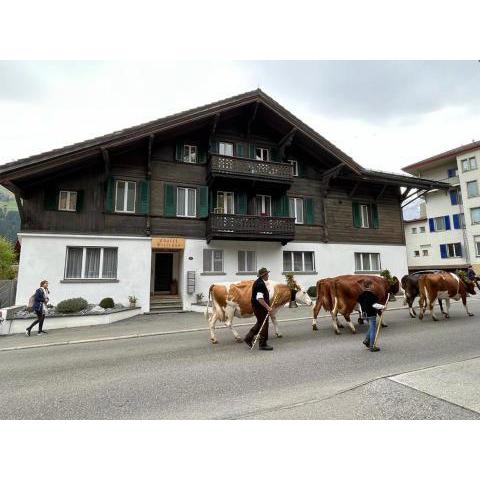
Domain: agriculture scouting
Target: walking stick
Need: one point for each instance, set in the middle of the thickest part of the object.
(257, 336)
(379, 326)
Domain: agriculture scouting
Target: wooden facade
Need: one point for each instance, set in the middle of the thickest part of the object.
(152, 156)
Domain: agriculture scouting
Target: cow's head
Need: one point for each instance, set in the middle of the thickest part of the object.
(301, 294)
(394, 286)
(469, 286)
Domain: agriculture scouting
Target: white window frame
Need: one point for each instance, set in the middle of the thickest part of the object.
(416, 253)
(243, 268)
(414, 230)
(425, 252)
(370, 260)
(69, 201)
(454, 249)
(264, 204)
(365, 215)
(190, 153)
(471, 216)
(468, 192)
(422, 230)
(212, 262)
(294, 164)
(84, 261)
(264, 152)
(223, 208)
(471, 164)
(476, 240)
(188, 191)
(221, 146)
(125, 197)
(442, 221)
(294, 214)
(292, 252)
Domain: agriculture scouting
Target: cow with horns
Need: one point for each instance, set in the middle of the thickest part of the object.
(411, 290)
(229, 300)
(443, 285)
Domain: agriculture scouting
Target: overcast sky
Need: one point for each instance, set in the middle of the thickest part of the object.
(384, 114)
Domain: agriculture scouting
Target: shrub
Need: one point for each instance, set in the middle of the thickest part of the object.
(71, 305)
(107, 303)
(7, 259)
(312, 291)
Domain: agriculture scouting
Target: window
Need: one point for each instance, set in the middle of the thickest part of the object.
(212, 261)
(186, 202)
(294, 165)
(67, 201)
(296, 209)
(190, 153)
(425, 253)
(414, 230)
(91, 262)
(439, 223)
(367, 262)
(476, 239)
(469, 164)
(247, 261)
(225, 149)
(125, 196)
(454, 250)
(225, 203)
(452, 172)
(416, 253)
(298, 261)
(364, 216)
(475, 214)
(472, 189)
(422, 229)
(263, 205)
(262, 154)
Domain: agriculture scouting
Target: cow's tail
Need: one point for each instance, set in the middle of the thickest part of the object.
(207, 316)
(318, 303)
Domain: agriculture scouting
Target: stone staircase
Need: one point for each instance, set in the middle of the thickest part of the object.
(165, 304)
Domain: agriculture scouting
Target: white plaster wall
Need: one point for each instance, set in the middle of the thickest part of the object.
(414, 241)
(330, 260)
(43, 257)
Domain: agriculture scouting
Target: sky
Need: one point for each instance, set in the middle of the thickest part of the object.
(384, 114)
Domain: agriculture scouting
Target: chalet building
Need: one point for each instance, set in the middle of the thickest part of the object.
(447, 234)
(206, 195)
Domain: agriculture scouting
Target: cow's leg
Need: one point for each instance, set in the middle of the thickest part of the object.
(211, 325)
(410, 308)
(447, 307)
(350, 323)
(431, 308)
(464, 301)
(441, 305)
(421, 306)
(314, 324)
(229, 315)
(273, 316)
(316, 310)
(335, 323)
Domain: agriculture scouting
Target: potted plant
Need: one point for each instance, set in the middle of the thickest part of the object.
(199, 297)
(133, 301)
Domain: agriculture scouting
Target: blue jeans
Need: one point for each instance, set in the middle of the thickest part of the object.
(372, 330)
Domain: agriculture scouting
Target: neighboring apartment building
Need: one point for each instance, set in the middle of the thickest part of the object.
(451, 219)
(206, 195)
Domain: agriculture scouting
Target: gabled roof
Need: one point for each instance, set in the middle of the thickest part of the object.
(143, 130)
(430, 161)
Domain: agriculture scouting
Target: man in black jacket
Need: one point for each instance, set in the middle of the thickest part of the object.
(370, 308)
(261, 308)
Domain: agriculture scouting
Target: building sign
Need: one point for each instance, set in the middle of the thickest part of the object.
(168, 243)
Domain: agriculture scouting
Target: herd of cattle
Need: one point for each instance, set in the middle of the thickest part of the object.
(338, 295)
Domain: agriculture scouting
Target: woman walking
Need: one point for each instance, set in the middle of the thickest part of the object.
(40, 303)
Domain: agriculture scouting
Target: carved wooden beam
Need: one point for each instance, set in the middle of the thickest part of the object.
(288, 137)
(405, 194)
(354, 189)
(148, 220)
(414, 196)
(19, 194)
(106, 163)
(216, 118)
(252, 119)
(149, 155)
(382, 191)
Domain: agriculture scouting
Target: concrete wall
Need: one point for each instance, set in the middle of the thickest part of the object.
(43, 257)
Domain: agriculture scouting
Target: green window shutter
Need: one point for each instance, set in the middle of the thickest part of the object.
(202, 206)
(280, 206)
(273, 154)
(308, 208)
(80, 195)
(285, 206)
(170, 200)
(251, 151)
(241, 203)
(240, 150)
(143, 197)
(201, 155)
(51, 198)
(357, 218)
(374, 210)
(276, 207)
(110, 194)
(179, 152)
(300, 168)
(214, 147)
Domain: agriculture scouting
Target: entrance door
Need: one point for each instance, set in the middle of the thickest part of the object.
(163, 271)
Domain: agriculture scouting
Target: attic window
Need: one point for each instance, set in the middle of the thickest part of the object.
(67, 201)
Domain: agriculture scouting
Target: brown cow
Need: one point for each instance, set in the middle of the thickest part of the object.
(443, 285)
(347, 289)
(325, 299)
(231, 300)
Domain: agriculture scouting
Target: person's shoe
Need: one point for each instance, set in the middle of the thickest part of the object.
(374, 349)
(27, 332)
(43, 332)
(265, 347)
(248, 342)
(366, 343)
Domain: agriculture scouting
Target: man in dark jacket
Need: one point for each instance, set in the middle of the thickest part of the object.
(261, 308)
(370, 308)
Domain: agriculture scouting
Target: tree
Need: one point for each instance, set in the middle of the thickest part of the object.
(7, 259)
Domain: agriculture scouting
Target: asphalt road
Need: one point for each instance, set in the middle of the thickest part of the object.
(309, 375)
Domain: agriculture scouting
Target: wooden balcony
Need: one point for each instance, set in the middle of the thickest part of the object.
(244, 168)
(250, 227)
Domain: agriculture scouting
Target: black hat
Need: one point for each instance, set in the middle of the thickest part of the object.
(262, 272)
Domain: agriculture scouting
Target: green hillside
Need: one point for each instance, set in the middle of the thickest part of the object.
(7, 200)
(9, 216)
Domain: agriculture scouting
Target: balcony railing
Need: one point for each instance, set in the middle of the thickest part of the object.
(221, 165)
(250, 227)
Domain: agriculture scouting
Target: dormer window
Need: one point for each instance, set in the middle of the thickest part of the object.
(262, 154)
(67, 201)
(190, 153)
